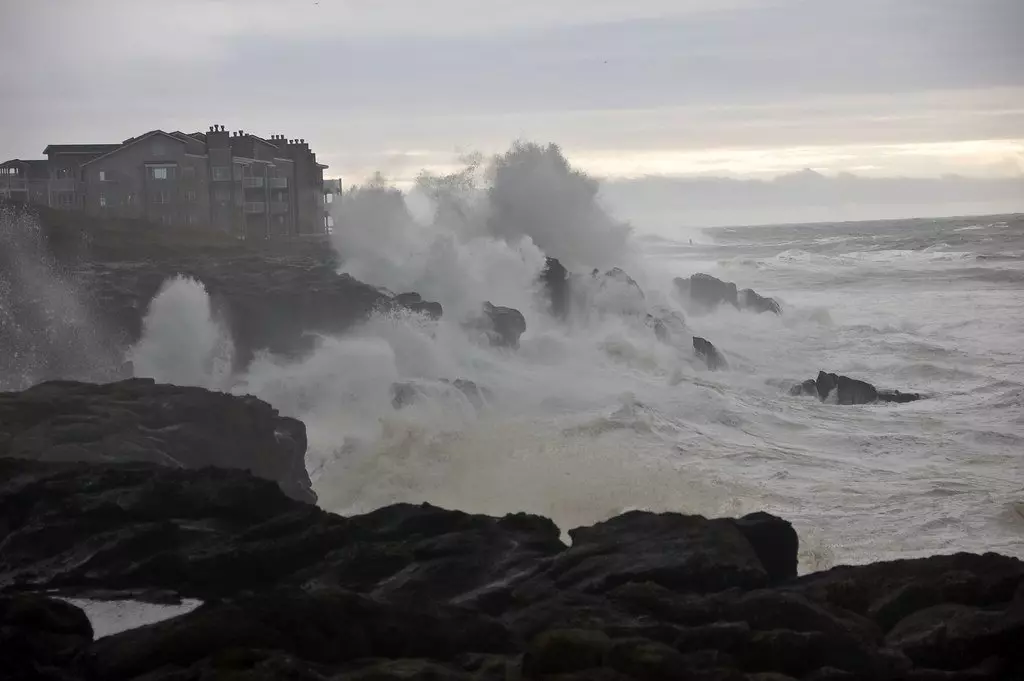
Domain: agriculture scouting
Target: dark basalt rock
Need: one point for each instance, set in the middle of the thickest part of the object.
(40, 637)
(140, 420)
(849, 390)
(555, 279)
(419, 592)
(709, 292)
(415, 303)
(709, 353)
(501, 325)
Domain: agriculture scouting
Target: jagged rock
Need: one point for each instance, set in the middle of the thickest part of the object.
(40, 638)
(849, 390)
(666, 323)
(748, 299)
(200, 533)
(419, 592)
(555, 279)
(415, 303)
(501, 325)
(709, 353)
(140, 420)
(709, 292)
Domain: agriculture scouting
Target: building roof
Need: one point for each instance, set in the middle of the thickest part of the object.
(79, 148)
(37, 168)
(134, 141)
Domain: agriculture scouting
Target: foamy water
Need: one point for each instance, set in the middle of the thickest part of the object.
(595, 417)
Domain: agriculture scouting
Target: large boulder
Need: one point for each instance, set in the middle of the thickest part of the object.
(709, 354)
(846, 390)
(707, 292)
(140, 420)
(41, 638)
(502, 326)
(136, 526)
(415, 303)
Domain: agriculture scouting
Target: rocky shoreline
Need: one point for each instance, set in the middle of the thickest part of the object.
(291, 591)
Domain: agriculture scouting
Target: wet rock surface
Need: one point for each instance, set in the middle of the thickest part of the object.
(419, 592)
(140, 420)
(706, 351)
(846, 390)
(707, 292)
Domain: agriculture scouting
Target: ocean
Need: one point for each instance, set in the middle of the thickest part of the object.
(588, 420)
(595, 416)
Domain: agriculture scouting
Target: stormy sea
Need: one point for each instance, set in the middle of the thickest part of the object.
(594, 402)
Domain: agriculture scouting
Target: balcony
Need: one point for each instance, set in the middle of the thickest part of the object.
(14, 184)
(254, 207)
(253, 182)
(279, 183)
(279, 207)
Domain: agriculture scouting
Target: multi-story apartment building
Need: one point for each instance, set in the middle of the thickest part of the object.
(233, 181)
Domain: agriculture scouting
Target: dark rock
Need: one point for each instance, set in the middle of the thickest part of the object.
(139, 420)
(40, 638)
(203, 533)
(709, 353)
(955, 637)
(667, 324)
(560, 651)
(415, 303)
(505, 325)
(324, 627)
(419, 592)
(774, 541)
(709, 292)
(687, 553)
(555, 279)
(849, 390)
(749, 299)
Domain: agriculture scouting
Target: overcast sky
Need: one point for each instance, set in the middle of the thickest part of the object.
(629, 88)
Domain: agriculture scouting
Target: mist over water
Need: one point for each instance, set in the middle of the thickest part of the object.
(593, 416)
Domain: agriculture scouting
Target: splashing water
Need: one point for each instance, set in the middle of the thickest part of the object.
(181, 341)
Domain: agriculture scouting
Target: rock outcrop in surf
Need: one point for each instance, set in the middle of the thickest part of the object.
(846, 390)
(709, 354)
(418, 592)
(707, 292)
(140, 420)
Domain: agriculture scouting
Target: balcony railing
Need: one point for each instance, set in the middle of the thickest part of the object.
(15, 184)
(255, 207)
(278, 183)
(252, 182)
(278, 207)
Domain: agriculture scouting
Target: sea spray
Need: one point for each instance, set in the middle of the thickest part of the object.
(47, 330)
(182, 342)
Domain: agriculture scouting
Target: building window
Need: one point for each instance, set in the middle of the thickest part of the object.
(190, 196)
(129, 199)
(162, 173)
(221, 173)
(166, 219)
(191, 219)
(162, 196)
(103, 176)
(103, 200)
(65, 198)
